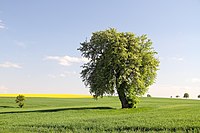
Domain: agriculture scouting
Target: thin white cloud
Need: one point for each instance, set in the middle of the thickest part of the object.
(10, 65)
(177, 58)
(195, 80)
(66, 74)
(3, 89)
(62, 75)
(169, 90)
(2, 26)
(20, 44)
(51, 76)
(66, 60)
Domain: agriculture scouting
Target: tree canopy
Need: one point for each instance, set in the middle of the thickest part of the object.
(186, 95)
(121, 62)
(20, 100)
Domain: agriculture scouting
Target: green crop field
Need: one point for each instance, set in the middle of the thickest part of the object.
(104, 115)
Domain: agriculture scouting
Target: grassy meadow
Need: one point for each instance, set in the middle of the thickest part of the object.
(104, 115)
(48, 95)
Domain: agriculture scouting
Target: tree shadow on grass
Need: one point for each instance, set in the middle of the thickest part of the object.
(7, 107)
(58, 109)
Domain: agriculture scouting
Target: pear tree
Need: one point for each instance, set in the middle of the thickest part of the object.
(119, 62)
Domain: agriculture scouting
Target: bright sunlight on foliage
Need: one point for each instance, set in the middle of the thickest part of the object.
(119, 61)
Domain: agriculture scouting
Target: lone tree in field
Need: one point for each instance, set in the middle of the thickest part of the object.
(198, 96)
(119, 61)
(20, 100)
(186, 95)
(148, 95)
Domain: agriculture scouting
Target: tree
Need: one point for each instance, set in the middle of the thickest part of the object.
(20, 100)
(198, 96)
(186, 95)
(177, 96)
(148, 95)
(119, 61)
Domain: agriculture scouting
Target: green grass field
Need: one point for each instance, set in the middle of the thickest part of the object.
(104, 115)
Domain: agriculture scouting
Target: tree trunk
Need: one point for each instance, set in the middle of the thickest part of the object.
(123, 100)
(120, 90)
(122, 96)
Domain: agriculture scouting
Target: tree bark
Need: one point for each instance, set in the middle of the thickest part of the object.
(122, 96)
(121, 93)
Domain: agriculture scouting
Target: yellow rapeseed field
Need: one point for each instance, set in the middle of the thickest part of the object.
(48, 95)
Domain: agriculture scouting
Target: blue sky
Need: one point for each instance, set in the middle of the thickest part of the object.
(39, 41)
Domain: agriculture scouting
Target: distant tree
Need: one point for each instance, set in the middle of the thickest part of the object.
(20, 100)
(148, 95)
(198, 96)
(186, 95)
(177, 96)
(119, 61)
(170, 96)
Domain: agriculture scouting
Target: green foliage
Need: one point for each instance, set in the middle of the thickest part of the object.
(20, 100)
(148, 95)
(186, 95)
(198, 96)
(177, 96)
(54, 115)
(119, 61)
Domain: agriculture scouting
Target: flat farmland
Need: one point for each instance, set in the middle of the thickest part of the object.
(103, 115)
